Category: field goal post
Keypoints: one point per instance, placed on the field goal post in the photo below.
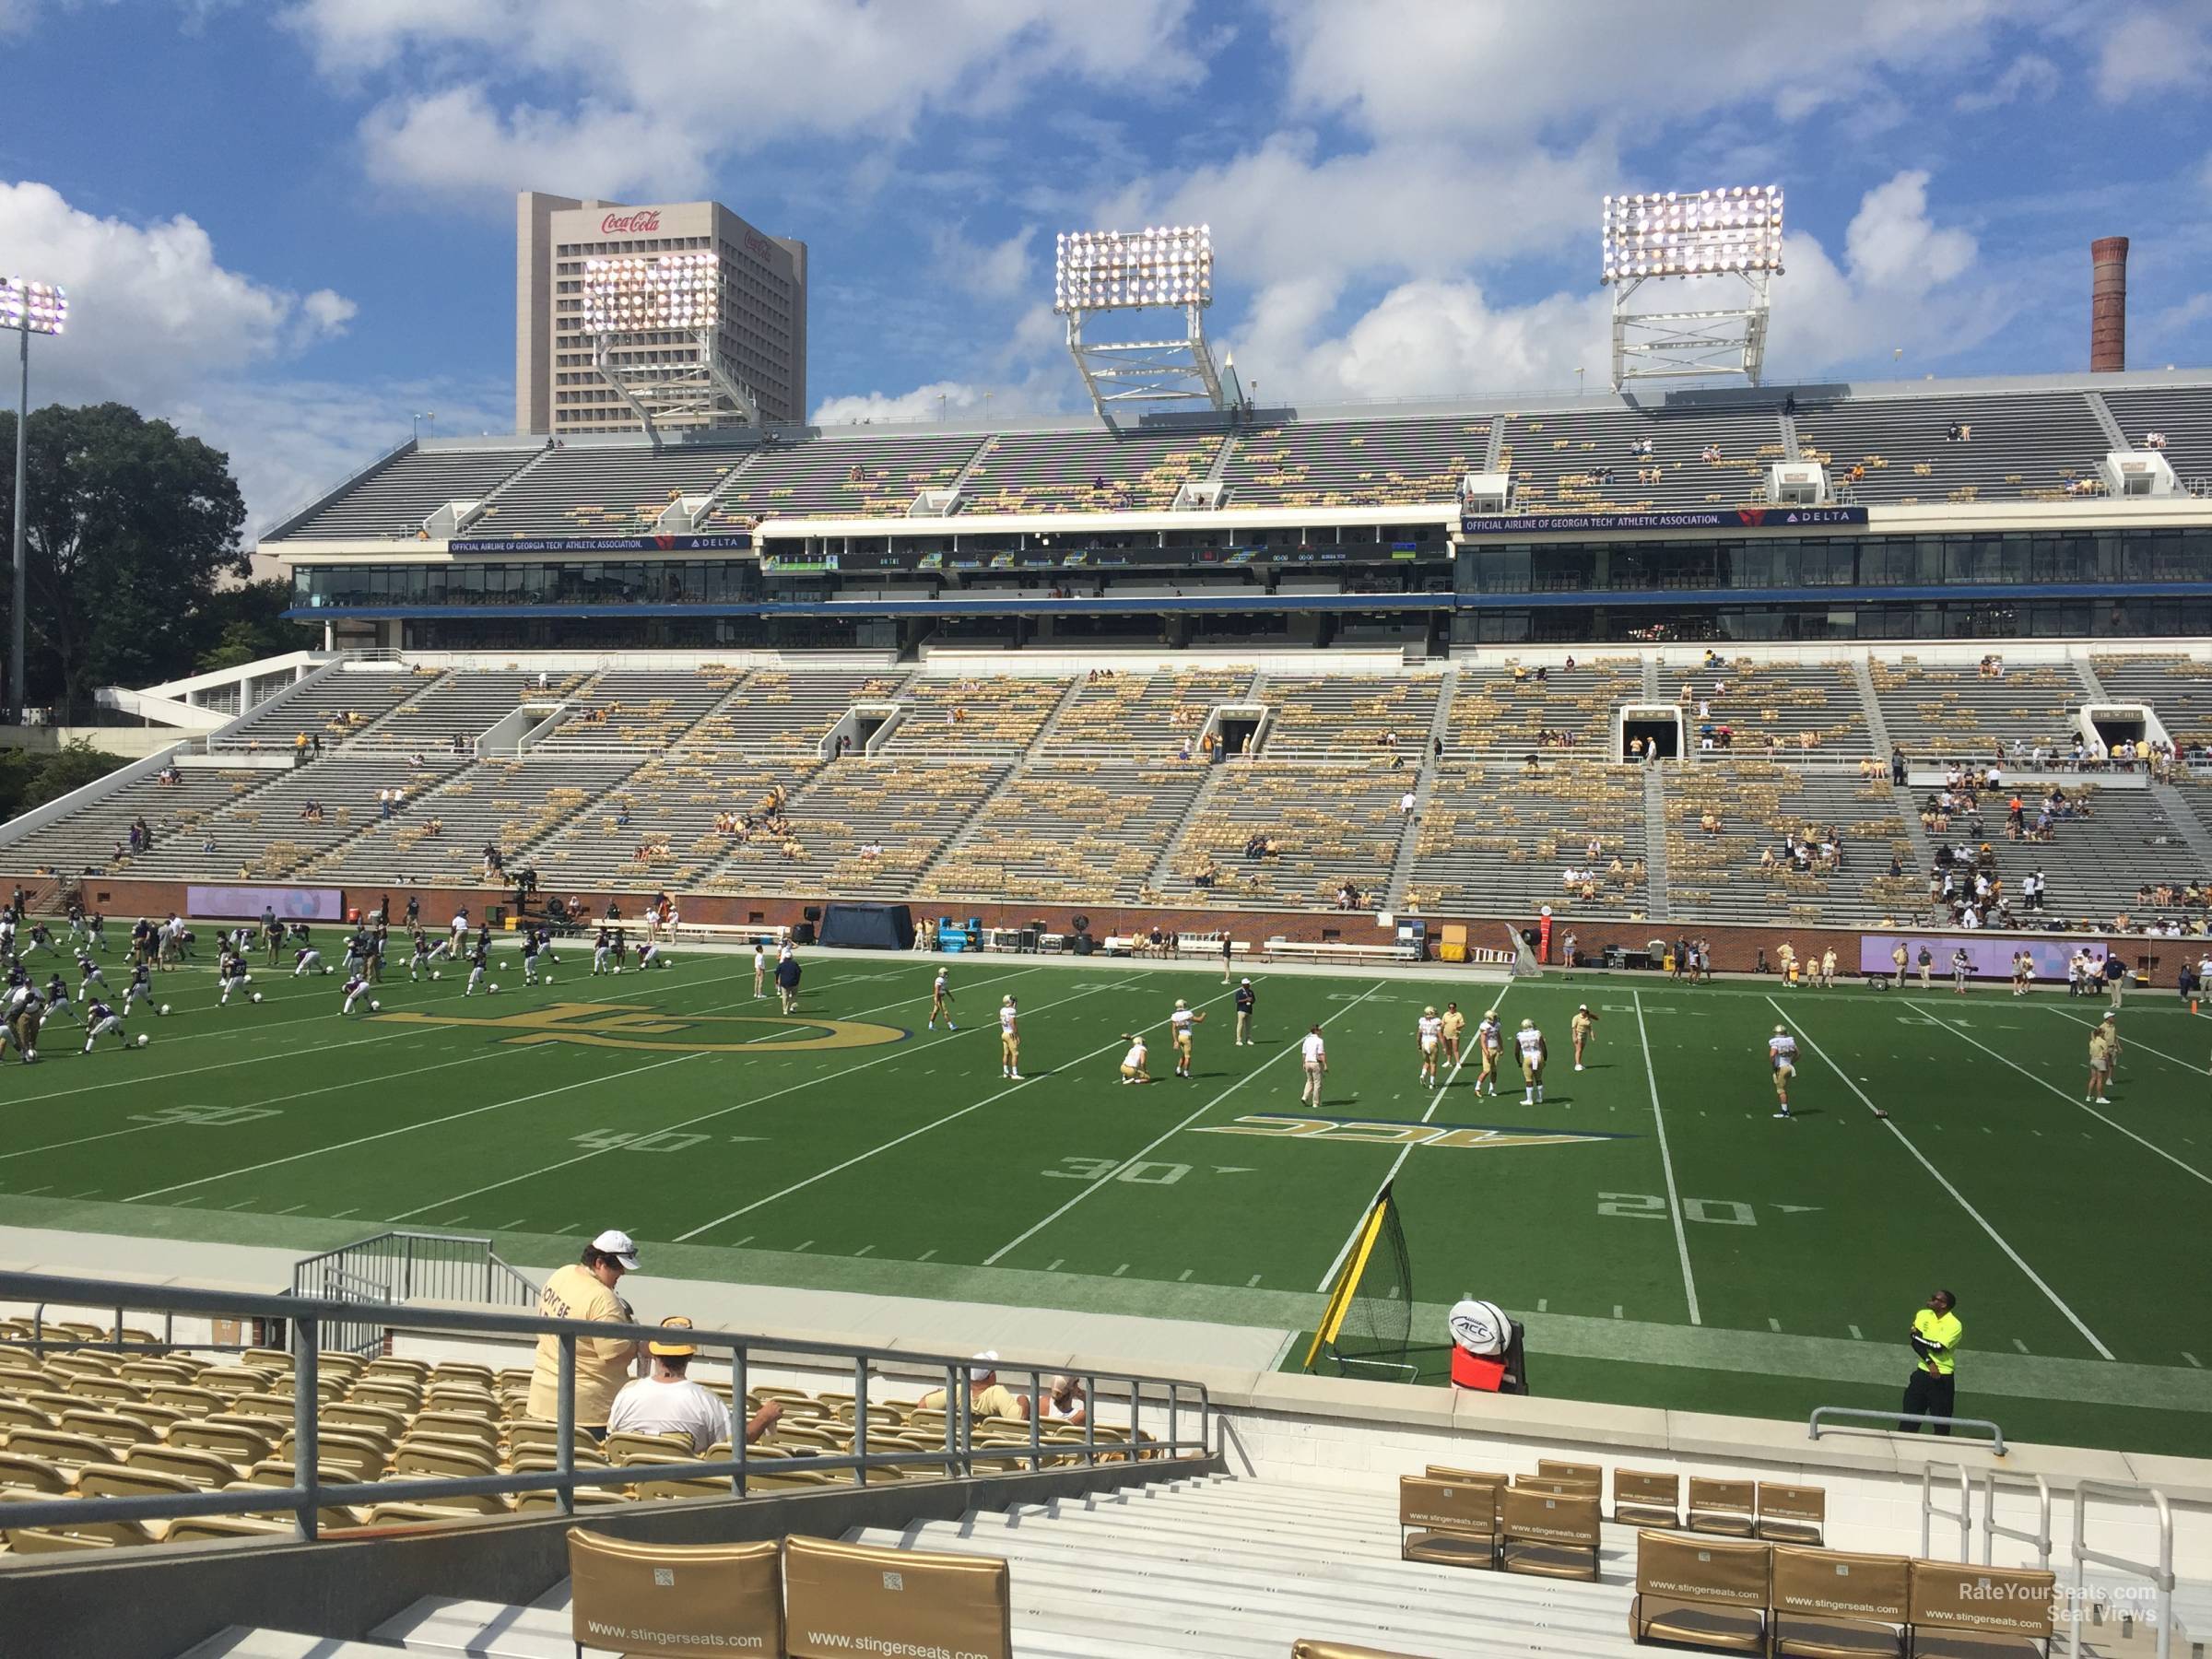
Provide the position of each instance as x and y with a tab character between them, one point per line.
1367	1322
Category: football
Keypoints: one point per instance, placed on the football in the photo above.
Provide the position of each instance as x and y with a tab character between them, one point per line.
144	1039
436	973
618	967
164	1007
374	1007
256	996
493	989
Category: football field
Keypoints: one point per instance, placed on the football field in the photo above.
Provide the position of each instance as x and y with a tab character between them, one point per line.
1667	1241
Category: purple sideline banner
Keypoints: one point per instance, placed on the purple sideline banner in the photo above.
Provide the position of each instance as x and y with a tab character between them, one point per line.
1990	955
294	904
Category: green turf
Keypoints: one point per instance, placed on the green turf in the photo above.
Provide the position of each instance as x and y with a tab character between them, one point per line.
903	1163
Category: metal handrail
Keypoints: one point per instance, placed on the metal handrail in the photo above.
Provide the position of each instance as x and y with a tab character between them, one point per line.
389	1266
1929	1512
1812	1425
309	1493
1992	1532
2160	1575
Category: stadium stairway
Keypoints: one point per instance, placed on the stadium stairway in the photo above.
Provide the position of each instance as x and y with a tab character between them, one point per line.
1655	844
1214	1567
2185	822
1409	837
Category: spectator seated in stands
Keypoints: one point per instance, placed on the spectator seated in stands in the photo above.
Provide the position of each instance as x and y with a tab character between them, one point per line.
987	1397
1348	897
1062	1400
667	1402
2154	441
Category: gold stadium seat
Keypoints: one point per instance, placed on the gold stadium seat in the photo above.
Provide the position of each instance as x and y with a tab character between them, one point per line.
364	1457
1643	1498
16	1413
381	1421
842	1597
639	1448
53	1540
1589	1474
1792	1514
1447	1520
1988	1612
243	1445
203	1529
699	1597
549	1501
112	1428
1830	1604
1729	1508
32	1474
70	1451
429	1457
1553	1534
207	1469
1338	1650
1701	1593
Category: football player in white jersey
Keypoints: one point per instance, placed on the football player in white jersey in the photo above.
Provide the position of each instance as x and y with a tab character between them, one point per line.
1179	1034
1530	1042
1428	1032
1132	1062
1009	1039
1782	1059
940	1002
1489	1043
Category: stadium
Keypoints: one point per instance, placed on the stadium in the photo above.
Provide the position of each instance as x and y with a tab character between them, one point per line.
1791	790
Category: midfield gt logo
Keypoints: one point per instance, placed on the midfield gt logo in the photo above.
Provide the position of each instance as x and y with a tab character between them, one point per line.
632	1026
1480	1137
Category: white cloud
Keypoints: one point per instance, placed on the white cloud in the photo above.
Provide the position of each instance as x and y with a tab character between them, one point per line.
654	96
1892	243
2150	50
2029	76
937	399
152	311
998	270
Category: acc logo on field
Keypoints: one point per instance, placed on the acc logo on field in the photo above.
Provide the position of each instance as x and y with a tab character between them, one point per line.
1367	1132
632	1026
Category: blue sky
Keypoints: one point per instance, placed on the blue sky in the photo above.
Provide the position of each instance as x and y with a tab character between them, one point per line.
287	226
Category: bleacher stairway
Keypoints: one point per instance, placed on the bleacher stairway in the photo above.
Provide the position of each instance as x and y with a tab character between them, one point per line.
1216	1566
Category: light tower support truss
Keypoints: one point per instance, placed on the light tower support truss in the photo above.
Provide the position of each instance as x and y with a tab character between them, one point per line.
635	311
1157	269
1728	240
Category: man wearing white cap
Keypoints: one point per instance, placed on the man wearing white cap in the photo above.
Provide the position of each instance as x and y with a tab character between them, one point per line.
987	1397
667	1402
585	1289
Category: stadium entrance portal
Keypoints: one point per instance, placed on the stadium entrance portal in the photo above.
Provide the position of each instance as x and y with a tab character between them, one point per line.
2114	726
1646	731
1238	732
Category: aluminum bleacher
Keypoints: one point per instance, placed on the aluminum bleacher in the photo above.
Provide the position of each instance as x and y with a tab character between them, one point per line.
1505	713
394	499
1720	875
1952	711
1070	832
1087	471
2023	446
332	710
1139	714
658	824
1356	464
996	715
845	476
589	489
271	831
459	707
863	828
89	839
781	712
1586	460
1348	715
2183	412
1495	837
1331	823
511	804
637	711
2177	688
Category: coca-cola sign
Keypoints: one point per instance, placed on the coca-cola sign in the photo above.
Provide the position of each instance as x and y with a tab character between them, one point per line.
644	221
756	244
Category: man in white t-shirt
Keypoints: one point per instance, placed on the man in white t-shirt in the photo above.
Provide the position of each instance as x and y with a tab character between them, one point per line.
1132	1062
1430	1036
667	1402
1313	1054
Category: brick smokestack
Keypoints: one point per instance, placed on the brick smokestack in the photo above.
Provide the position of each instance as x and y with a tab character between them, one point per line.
2108	305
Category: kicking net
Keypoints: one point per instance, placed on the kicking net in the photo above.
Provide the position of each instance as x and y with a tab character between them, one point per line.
1524	963
1367	1322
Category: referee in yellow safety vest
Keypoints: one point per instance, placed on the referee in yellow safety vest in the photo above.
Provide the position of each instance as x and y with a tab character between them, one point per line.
1933	1389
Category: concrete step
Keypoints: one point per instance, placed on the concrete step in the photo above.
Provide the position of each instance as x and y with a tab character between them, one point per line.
240	1642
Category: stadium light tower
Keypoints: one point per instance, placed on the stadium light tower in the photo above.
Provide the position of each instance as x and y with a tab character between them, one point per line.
1162	267
653	323
29	308
1731	238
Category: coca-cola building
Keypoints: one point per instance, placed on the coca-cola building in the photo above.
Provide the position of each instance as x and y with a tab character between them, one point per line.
763	310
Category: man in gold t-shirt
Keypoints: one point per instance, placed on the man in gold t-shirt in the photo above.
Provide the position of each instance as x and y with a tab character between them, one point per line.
987	1396
585	1289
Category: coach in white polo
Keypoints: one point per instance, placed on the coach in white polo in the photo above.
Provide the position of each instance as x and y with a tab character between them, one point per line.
668	1402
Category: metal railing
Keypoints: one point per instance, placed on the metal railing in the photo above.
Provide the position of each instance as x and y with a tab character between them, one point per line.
1185	1436
406	1266
1930	1513
1992	1532
2160	1575
1899	1419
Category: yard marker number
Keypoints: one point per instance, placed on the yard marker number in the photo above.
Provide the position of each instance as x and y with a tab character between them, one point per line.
1098	1168
624	1140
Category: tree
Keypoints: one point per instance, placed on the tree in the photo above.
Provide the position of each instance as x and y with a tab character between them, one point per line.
72	766
130	526
239	625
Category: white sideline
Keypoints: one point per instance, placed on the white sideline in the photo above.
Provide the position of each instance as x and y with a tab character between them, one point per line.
1997	1238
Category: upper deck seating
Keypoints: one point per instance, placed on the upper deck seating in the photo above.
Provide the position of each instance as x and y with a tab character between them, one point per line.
842	477
394	500
579	489
2020	446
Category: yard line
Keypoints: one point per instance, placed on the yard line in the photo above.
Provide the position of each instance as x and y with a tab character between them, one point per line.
409	1129
2133	1042
935	1124
1995	1237
2067	1097
1139	1156
271	1100
1666	1163
1399	1162
894	1054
